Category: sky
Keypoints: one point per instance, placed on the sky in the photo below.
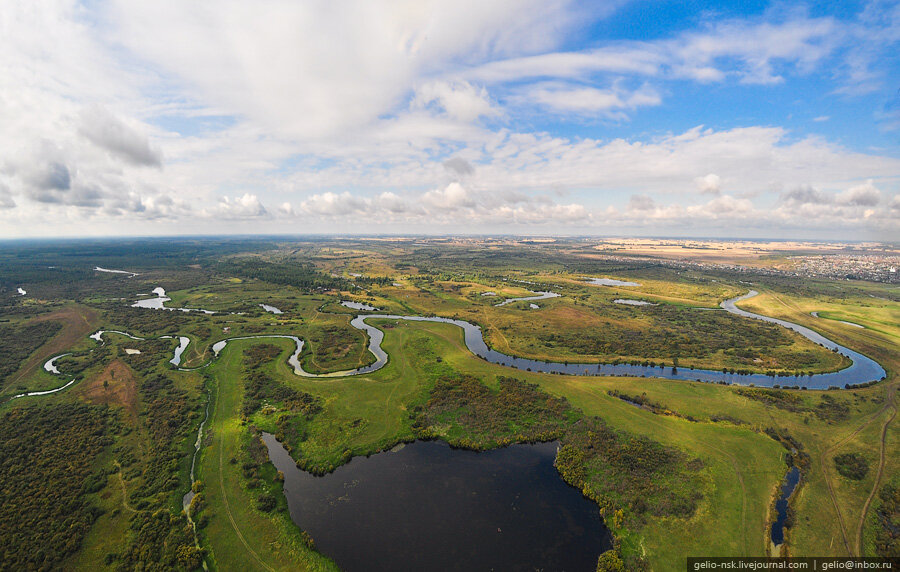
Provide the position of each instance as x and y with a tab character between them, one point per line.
736	119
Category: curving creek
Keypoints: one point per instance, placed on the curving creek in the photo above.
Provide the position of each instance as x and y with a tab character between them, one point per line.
328	506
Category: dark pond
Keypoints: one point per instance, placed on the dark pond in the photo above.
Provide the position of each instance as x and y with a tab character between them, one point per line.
430	507
781	505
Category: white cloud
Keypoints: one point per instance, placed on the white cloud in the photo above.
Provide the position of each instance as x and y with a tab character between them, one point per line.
747	50
332	204
607	102
277	63
452	197
865	195
245	206
422	113
711	184
459	100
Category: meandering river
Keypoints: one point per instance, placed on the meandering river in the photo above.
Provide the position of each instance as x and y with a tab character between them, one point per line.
862	369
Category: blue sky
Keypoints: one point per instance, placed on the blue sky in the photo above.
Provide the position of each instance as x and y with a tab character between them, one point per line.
643	117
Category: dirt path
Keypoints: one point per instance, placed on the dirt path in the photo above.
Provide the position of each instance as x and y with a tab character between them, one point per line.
78	322
227	505
125	504
828	453
865	509
889	403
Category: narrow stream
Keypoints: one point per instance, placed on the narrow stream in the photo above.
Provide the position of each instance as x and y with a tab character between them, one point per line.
781	505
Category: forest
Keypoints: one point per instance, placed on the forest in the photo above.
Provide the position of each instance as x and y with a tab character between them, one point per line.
17	343
48	468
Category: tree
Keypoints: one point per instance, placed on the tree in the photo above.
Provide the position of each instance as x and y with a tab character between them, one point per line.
610	561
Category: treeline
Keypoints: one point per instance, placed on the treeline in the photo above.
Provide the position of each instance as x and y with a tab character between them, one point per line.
373	280
887	535
47	457
852	465
629	476
329	344
141	321
127	253
260	387
18	342
484	418
672	332
828	409
297	274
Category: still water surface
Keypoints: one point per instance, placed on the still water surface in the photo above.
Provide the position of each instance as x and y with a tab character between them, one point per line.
430	507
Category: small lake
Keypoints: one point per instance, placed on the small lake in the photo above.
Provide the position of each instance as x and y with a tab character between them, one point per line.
429	507
183	342
609	282
634	302
271	309
358	306
538	296
159	303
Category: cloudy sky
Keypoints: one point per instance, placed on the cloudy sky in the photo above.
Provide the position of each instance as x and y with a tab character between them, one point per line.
614	117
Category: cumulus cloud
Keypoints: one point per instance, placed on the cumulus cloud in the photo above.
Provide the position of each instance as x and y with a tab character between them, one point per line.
245	206
445	207
112	134
711	184
724	206
865	195
392	203
333	204
805	195
49	176
451	197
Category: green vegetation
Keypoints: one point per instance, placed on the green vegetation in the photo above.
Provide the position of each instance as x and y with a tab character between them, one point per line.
852	465
302	276
260	387
17	343
676	467
47	457
828	409
466	413
887	540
